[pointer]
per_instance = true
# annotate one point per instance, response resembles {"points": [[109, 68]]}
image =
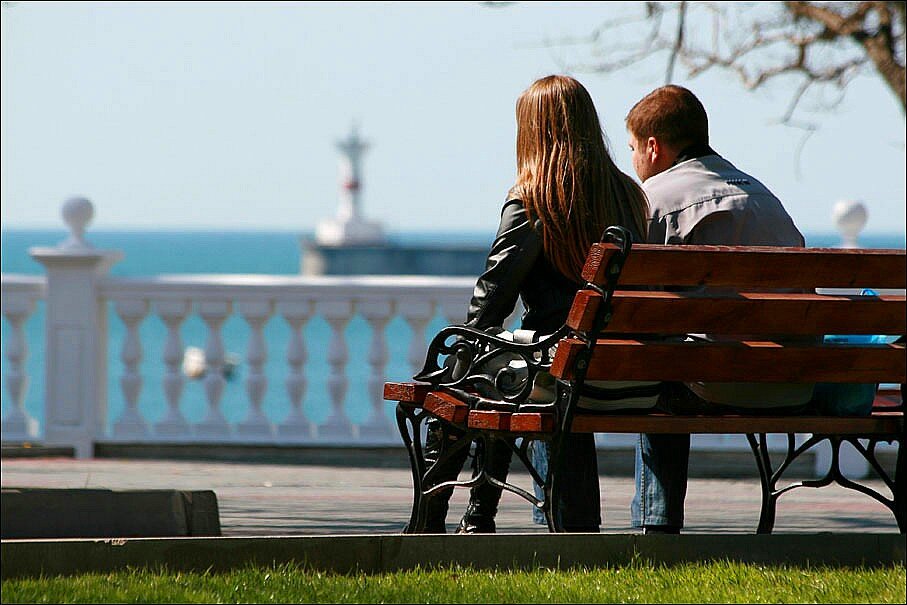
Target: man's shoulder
{"points": [[699, 180]]}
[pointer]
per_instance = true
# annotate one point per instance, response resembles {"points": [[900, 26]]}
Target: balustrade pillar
{"points": [[18, 425], [75, 380], [296, 427], [338, 314], [378, 426], [417, 314], [214, 425], [131, 423], [256, 314], [173, 313], [453, 311]]}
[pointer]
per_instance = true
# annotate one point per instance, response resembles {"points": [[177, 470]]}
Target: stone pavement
{"points": [[260, 499]]}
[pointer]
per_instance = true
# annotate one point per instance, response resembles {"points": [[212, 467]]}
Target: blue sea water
{"points": [[149, 253]]}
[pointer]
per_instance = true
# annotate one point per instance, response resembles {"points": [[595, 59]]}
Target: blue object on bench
{"points": [[849, 399]]}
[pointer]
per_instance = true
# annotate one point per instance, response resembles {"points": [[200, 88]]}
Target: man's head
{"points": [[661, 125]]}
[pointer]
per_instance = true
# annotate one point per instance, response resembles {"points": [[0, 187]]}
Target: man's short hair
{"points": [[673, 115]]}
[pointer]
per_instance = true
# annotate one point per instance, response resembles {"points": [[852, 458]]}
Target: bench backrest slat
{"points": [[734, 361], [752, 267], [743, 313]]}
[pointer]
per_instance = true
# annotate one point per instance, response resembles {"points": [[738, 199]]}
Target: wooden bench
{"points": [[620, 298]]}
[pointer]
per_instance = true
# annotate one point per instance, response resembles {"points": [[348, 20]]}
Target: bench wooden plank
{"points": [[446, 406], [743, 313], [489, 420], [532, 422], [752, 267], [734, 361], [408, 392]]}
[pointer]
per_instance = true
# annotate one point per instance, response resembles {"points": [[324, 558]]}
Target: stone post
{"points": [[75, 369]]}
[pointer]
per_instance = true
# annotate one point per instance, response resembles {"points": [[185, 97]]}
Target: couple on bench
{"points": [[567, 192]]}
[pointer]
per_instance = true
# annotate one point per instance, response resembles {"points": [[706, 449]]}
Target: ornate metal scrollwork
{"points": [[460, 357], [770, 477]]}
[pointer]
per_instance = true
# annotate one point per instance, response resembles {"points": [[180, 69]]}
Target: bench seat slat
{"points": [[743, 313], [408, 392], [752, 266], [732, 361], [447, 407]]}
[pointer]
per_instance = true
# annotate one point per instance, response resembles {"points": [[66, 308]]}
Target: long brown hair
{"points": [[565, 175]]}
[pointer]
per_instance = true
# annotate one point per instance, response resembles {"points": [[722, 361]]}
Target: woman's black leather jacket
{"points": [[517, 267]]}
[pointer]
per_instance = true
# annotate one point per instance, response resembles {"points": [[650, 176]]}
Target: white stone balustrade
{"points": [[296, 428], [131, 425], [338, 314], [214, 313], [18, 304], [173, 313], [295, 300], [256, 314], [378, 313]]}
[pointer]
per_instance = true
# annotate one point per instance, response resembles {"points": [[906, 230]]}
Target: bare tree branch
{"points": [[678, 42], [823, 43]]}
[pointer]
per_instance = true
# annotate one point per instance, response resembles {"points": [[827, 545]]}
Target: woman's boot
{"points": [[484, 498], [435, 440]]}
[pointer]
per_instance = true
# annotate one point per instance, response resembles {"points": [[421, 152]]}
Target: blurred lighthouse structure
{"points": [[349, 227], [348, 244]]}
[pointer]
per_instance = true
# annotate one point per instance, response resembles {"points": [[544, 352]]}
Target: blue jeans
{"points": [[662, 459], [661, 479], [538, 455], [580, 503]]}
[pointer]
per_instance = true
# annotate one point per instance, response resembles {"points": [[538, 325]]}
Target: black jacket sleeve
{"points": [[515, 250]]}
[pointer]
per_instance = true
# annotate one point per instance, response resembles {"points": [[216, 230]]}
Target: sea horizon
{"points": [[266, 251]]}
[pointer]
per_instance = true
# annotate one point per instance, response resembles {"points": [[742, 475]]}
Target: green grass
{"points": [[636, 583]]}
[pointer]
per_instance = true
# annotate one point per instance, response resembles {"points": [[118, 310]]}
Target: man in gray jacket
{"points": [[696, 197]]}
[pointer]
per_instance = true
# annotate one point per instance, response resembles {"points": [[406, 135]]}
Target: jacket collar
{"points": [[691, 152]]}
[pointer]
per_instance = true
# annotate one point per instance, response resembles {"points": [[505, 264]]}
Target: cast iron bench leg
{"points": [[408, 423], [769, 500], [900, 489]]}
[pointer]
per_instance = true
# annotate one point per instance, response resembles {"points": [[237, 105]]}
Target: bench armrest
{"points": [[464, 358]]}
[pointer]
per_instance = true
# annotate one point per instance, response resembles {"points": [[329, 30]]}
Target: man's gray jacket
{"points": [[708, 201]]}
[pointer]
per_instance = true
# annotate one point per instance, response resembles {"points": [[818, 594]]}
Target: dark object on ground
{"points": [[102, 513]]}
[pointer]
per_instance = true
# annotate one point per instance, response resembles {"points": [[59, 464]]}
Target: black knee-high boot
{"points": [[484, 498], [437, 438]]}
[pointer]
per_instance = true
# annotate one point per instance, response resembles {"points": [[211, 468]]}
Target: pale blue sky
{"points": [[224, 115]]}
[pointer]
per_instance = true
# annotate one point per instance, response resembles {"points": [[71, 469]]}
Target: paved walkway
{"points": [[287, 499]]}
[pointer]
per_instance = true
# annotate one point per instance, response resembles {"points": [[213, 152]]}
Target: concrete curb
{"points": [[388, 553]]}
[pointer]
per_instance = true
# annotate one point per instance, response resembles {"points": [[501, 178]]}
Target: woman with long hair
{"points": [[567, 191]]}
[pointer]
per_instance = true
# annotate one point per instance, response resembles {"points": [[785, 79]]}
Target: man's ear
{"points": [[653, 149]]}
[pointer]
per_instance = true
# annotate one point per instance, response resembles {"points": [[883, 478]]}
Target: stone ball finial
{"points": [[77, 214], [850, 217]]}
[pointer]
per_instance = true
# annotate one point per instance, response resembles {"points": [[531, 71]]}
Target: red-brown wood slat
{"points": [[525, 422], [743, 313], [489, 420], [880, 423], [407, 392], [446, 406], [744, 361], [753, 266]]}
